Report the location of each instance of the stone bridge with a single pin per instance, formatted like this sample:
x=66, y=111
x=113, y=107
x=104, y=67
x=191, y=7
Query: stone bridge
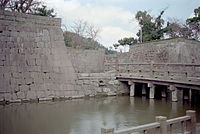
x=172, y=79
x=168, y=68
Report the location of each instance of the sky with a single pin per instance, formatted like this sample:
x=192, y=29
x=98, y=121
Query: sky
x=115, y=18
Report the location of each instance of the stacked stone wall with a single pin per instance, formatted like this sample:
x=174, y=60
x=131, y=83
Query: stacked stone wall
x=175, y=59
x=167, y=51
x=111, y=63
x=101, y=84
x=33, y=59
x=36, y=65
x=87, y=61
x=93, y=81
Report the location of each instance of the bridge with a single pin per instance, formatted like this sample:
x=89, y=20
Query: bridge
x=160, y=69
x=178, y=84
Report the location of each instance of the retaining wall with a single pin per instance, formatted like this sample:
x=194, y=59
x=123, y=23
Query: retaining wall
x=87, y=61
x=33, y=59
x=36, y=65
x=174, y=59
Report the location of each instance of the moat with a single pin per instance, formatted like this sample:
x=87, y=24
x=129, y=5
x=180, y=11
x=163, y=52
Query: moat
x=86, y=116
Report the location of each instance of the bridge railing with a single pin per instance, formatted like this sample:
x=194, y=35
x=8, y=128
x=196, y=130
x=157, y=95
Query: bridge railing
x=161, y=126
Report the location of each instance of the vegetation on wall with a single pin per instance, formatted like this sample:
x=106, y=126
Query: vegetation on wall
x=79, y=42
x=83, y=35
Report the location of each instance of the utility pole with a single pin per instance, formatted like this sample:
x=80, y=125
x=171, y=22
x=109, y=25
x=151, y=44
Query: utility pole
x=141, y=34
x=140, y=19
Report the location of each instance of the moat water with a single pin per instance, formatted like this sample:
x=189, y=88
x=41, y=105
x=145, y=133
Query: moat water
x=86, y=116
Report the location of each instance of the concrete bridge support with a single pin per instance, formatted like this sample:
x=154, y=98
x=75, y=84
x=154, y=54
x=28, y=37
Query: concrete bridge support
x=132, y=89
x=144, y=89
x=187, y=94
x=152, y=90
x=163, y=94
x=180, y=94
x=174, y=93
x=190, y=94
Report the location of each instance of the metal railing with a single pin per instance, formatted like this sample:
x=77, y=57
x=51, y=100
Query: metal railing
x=188, y=125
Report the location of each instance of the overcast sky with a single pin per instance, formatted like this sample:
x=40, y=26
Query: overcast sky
x=115, y=18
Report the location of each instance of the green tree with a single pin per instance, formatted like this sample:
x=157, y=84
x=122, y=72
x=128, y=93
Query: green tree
x=43, y=11
x=151, y=28
x=194, y=24
x=125, y=41
x=196, y=18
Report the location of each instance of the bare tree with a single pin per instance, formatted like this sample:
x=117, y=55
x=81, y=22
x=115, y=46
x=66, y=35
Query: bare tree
x=178, y=29
x=92, y=32
x=4, y=3
x=79, y=27
x=23, y=6
x=84, y=29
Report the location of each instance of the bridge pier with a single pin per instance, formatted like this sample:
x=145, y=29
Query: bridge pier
x=170, y=91
x=180, y=94
x=174, y=93
x=132, y=89
x=143, y=89
x=152, y=90
x=190, y=94
x=187, y=94
x=163, y=94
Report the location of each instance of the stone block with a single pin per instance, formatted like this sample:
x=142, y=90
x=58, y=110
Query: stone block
x=20, y=95
x=31, y=95
x=41, y=94
x=28, y=81
x=8, y=96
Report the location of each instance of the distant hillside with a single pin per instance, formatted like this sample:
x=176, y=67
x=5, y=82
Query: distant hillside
x=75, y=41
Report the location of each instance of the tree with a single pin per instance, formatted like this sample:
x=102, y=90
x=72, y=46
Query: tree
x=79, y=27
x=125, y=41
x=23, y=6
x=84, y=29
x=177, y=29
x=151, y=29
x=27, y=6
x=196, y=17
x=190, y=29
x=92, y=32
x=194, y=24
x=4, y=3
x=43, y=11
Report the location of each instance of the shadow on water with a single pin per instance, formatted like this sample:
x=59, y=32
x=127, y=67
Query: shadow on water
x=86, y=116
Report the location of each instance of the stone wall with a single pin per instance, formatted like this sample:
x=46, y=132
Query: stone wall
x=175, y=59
x=87, y=61
x=33, y=59
x=36, y=65
x=177, y=50
x=93, y=81
x=111, y=63
x=101, y=84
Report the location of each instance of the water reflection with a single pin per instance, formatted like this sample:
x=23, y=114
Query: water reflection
x=85, y=116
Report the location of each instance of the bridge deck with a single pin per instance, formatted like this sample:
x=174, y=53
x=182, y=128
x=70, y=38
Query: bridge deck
x=160, y=81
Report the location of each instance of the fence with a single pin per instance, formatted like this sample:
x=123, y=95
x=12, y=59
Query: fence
x=188, y=125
